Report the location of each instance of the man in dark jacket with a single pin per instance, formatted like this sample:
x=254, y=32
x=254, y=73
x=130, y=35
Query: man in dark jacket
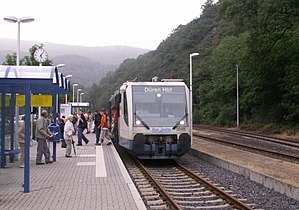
x=42, y=133
x=97, y=126
x=82, y=124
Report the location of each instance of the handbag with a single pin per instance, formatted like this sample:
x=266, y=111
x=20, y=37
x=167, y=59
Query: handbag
x=63, y=143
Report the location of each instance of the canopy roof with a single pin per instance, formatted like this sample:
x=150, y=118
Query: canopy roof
x=43, y=79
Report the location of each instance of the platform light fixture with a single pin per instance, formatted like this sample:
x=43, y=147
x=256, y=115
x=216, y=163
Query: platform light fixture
x=13, y=19
x=66, y=77
x=79, y=90
x=61, y=65
x=81, y=96
x=74, y=85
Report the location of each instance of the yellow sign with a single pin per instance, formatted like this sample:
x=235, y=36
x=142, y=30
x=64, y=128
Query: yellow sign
x=36, y=100
x=7, y=100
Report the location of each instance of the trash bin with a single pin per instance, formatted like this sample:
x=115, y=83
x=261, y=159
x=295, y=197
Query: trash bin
x=54, y=128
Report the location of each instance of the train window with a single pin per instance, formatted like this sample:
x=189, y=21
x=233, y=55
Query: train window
x=126, y=109
x=118, y=98
x=159, y=106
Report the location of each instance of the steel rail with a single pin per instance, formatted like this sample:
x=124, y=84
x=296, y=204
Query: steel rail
x=233, y=201
x=168, y=198
x=248, y=147
x=286, y=142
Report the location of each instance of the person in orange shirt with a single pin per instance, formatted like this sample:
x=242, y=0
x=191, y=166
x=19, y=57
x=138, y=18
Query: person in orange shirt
x=104, y=128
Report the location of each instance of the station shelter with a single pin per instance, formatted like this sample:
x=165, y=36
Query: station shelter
x=26, y=86
x=72, y=107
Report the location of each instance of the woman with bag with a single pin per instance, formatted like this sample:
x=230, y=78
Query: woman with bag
x=68, y=133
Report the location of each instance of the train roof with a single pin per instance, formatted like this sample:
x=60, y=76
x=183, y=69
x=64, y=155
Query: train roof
x=169, y=82
x=162, y=83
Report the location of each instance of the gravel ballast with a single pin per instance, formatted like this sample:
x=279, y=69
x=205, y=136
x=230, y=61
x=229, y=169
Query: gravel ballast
x=263, y=197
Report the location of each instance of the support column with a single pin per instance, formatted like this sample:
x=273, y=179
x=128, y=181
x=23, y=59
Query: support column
x=27, y=138
x=3, y=157
x=13, y=144
x=54, y=121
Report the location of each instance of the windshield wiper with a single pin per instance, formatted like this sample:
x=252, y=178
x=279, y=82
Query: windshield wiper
x=178, y=122
x=142, y=122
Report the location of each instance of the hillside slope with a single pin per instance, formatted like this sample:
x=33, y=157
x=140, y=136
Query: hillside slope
x=259, y=38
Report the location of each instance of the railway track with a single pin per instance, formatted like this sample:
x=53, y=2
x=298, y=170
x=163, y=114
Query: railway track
x=172, y=186
x=266, y=145
x=286, y=142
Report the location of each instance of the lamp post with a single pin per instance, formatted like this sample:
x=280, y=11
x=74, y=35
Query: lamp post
x=12, y=19
x=67, y=76
x=81, y=96
x=78, y=99
x=59, y=66
x=238, y=114
x=78, y=95
x=74, y=85
x=191, y=102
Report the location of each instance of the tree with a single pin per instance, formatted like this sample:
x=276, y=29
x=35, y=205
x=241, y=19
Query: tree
x=11, y=59
x=271, y=51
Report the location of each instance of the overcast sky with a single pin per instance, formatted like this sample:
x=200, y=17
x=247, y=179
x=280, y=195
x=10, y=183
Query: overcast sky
x=136, y=23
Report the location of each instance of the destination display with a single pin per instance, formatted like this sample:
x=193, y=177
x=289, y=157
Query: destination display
x=157, y=89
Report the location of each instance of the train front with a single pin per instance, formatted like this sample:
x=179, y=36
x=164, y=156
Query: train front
x=160, y=120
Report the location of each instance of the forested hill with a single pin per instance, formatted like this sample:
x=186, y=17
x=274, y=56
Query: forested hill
x=261, y=37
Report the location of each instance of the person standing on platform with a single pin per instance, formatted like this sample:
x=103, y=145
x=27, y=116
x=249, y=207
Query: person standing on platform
x=89, y=121
x=86, y=118
x=97, y=126
x=75, y=120
x=42, y=133
x=61, y=125
x=21, y=135
x=114, y=130
x=82, y=125
x=104, y=128
x=68, y=133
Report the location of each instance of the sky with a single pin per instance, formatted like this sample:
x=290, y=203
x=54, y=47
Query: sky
x=136, y=23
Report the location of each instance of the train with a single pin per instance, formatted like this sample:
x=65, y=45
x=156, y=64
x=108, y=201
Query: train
x=153, y=118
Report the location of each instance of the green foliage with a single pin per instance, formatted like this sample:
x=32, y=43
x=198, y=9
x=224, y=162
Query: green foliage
x=260, y=36
x=11, y=59
x=271, y=58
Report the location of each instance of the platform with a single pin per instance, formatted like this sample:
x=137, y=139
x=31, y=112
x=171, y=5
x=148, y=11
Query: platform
x=281, y=176
x=95, y=179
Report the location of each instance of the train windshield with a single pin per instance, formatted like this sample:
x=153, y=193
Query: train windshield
x=159, y=106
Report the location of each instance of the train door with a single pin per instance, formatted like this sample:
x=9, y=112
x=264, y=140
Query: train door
x=124, y=138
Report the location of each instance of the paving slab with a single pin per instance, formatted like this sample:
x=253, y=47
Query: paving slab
x=94, y=179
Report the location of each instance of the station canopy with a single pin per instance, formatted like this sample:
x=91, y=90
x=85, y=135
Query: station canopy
x=13, y=79
x=27, y=80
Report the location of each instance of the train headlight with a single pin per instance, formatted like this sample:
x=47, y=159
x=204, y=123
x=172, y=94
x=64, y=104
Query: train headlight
x=138, y=122
x=158, y=95
x=182, y=122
